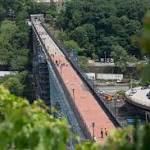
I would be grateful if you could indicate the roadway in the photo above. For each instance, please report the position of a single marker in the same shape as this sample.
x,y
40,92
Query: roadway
x,y
84,101
137,96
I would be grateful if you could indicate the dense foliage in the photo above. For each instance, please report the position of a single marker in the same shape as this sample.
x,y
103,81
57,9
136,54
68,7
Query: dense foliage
x,y
19,84
145,45
100,25
25,126
15,44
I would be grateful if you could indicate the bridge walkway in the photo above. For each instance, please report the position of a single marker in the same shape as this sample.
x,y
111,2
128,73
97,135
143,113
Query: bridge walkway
x,y
90,111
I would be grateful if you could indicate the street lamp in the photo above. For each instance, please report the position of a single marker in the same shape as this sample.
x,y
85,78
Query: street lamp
x,y
93,134
73,92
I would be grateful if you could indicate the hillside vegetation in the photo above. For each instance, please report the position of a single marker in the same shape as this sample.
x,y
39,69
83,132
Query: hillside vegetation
x,y
101,29
89,26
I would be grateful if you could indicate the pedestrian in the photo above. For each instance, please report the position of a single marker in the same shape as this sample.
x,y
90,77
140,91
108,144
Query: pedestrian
x,y
102,134
106,132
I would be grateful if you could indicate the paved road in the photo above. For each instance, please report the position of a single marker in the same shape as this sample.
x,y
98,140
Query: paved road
x,y
137,96
86,104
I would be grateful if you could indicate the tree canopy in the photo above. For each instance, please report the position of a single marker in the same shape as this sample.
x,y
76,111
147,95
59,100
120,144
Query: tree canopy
x,y
30,126
26,126
13,45
145,45
98,25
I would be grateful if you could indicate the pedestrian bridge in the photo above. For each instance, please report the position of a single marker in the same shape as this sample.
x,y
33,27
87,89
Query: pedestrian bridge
x,y
59,82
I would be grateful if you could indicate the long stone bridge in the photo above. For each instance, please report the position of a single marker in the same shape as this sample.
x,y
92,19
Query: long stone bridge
x,y
62,84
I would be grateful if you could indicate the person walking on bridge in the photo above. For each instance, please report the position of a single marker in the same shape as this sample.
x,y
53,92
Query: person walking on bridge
x,y
102,133
106,132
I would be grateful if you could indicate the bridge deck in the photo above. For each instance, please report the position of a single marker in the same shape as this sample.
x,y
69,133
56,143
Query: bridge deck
x,y
85,102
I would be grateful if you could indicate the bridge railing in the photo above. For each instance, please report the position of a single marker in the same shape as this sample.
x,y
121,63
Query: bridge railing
x,y
101,102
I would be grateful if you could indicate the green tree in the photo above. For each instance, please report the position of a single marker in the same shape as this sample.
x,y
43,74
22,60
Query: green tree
x,y
83,62
145,44
62,36
19,63
13,46
15,83
134,9
71,46
80,36
120,57
25,126
88,146
2,12
109,22
7,31
51,13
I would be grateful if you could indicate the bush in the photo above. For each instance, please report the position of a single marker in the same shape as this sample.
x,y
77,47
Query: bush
x,y
25,126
